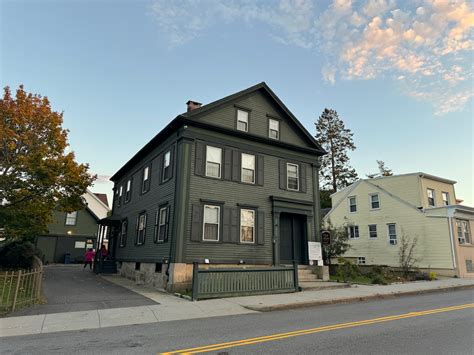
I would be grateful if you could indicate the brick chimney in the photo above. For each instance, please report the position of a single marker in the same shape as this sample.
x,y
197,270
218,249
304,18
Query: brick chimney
x,y
192,105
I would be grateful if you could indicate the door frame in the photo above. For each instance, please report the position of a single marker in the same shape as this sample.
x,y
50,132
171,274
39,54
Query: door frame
x,y
304,237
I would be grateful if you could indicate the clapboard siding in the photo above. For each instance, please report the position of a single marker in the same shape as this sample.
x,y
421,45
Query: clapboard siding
x,y
260,106
150,201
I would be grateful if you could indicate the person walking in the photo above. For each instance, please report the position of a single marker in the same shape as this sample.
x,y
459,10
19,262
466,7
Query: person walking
x,y
88,258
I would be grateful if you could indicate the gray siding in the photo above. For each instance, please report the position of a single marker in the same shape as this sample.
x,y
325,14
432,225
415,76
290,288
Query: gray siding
x,y
150,201
86,224
260,106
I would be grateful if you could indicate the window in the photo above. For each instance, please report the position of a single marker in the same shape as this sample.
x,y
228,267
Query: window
x,y
353,232
247,226
248,168
464,235
146,179
445,198
161,225
372,231
361,260
167,166
374,201
242,120
123,234
213,162
273,129
71,218
120,195
141,229
211,223
292,177
431,197
128,190
352,204
392,234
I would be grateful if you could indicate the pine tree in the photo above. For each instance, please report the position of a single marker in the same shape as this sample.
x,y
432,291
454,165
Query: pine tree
x,y
384,171
336,171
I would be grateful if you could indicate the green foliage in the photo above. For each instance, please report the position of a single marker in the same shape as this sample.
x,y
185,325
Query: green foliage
x,y
432,276
346,270
339,242
17,254
325,198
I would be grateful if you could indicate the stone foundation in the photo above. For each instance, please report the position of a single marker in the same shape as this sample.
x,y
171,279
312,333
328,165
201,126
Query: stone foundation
x,y
146,275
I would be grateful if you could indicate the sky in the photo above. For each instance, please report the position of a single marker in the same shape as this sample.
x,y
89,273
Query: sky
x,y
399,73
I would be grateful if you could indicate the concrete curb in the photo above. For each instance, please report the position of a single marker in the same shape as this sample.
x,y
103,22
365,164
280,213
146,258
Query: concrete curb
x,y
379,296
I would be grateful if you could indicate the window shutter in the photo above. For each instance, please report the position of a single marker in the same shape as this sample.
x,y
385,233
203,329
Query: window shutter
x,y
196,227
171,161
226,225
236,165
234,228
160,168
260,228
282,173
303,177
227,164
260,170
136,230
200,160
144,229
168,210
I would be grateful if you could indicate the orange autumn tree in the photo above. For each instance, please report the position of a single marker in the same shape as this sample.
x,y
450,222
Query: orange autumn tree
x,y
37,175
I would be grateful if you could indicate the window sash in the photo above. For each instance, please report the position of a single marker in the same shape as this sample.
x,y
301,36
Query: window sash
x,y
352,204
273,129
242,120
146,179
292,177
162,215
211,223
71,218
123,233
374,201
141,229
247,226
213,161
353,232
392,233
372,231
248,168
445,198
166,166
431,197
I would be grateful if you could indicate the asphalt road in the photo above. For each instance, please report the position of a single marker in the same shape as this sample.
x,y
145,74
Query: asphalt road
x,y
446,332
70,288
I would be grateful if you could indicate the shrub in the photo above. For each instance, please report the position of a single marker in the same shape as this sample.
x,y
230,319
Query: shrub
x,y
379,279
347,270
432,276
17,254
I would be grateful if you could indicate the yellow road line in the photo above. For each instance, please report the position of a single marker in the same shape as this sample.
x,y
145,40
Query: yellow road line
x,y
249,341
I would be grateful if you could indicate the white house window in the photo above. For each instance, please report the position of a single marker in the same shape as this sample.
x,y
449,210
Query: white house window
x,y
141,229
352,204
213,161
431,197
160,224
361,260
247,226
167,165
123,234
445,198
146,179
292,177
273,129
464,235
120,195
374,201
71,218
211,223
372,231
242,120
128,190
248,168
392,234
353,232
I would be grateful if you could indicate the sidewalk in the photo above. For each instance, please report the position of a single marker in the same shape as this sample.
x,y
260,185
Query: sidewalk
x,y
175,308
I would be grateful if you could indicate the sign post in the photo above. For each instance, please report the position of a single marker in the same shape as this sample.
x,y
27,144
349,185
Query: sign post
x,y
315,253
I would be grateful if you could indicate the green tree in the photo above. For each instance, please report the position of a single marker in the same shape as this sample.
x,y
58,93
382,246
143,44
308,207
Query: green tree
x,y
383,170
37,175
336,171
339,242
325,198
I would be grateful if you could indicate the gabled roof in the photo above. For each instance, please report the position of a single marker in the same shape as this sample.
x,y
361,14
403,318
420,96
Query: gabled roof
x,y
419,173
103,198
95,206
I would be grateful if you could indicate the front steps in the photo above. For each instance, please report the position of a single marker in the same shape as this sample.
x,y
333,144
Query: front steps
x,y
305,274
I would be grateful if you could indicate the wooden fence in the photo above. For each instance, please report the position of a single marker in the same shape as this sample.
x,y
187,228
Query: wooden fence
x,y
213,283
19,288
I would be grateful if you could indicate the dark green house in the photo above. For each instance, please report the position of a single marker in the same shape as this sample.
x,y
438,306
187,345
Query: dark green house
x,y
233,182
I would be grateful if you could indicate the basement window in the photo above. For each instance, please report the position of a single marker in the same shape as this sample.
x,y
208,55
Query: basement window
x,y
137,266
159,268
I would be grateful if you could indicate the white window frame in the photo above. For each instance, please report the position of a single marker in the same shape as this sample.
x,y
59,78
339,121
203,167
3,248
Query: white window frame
x,y
141,241
361,260
213,162
463,232
145,178
445,201
242,168
349,203
245,121
166,164
376,233
390,235
218,223
161,224
253,227
371,202
270,120
127,190
428,190
354,228
71,218
123,233
297,177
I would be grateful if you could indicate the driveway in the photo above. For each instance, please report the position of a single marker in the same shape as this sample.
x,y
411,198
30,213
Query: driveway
x,y
69,288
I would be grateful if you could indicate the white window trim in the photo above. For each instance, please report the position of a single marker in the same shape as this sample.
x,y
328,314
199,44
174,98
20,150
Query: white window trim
x,y
269,129
144,215
253,229
220,164
122,234
388,234
359,259
353,227
161,225
376,231
349,204
242,168
67,217
218,223
164,164
297,177
370,201
428,197
246,122
443,193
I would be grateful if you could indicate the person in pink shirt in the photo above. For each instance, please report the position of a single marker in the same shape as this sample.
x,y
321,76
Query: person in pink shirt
x,y
88,258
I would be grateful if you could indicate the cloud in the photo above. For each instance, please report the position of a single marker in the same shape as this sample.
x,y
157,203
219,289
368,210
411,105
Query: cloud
x,y
425,46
